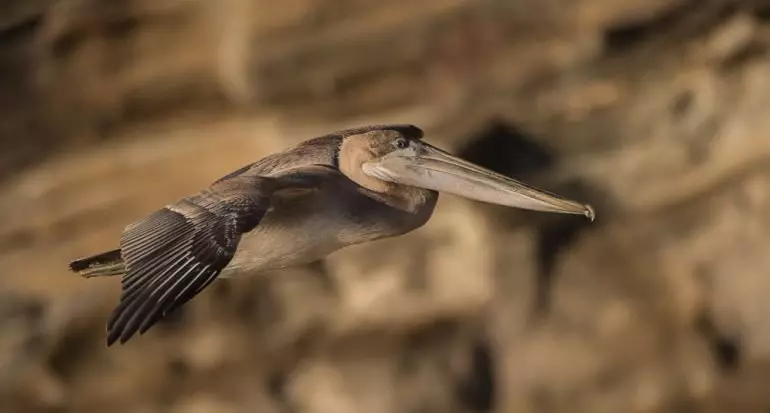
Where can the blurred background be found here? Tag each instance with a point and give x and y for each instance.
(654, 111)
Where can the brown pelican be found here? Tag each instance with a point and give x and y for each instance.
(292, 208)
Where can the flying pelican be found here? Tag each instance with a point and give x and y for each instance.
(291, 208)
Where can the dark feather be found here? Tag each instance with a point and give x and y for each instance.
(104, 258)
(176, 252)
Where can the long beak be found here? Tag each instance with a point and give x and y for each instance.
(432, 168)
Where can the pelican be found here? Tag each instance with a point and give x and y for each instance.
(292, 208)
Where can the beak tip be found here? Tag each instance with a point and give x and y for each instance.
(589, 212)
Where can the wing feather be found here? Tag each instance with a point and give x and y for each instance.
(177, 251)
(171, 250)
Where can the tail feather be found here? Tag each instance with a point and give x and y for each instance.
(106, 264)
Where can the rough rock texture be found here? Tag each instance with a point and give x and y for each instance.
(655, 111)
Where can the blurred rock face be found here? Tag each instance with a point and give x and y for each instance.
(653, 111)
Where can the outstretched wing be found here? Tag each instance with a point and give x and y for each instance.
(177, 251)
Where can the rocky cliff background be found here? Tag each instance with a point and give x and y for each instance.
(654, 111)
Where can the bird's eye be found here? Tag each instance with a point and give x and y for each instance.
(401, 143)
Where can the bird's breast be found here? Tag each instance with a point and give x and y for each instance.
(304, 227)
(285, 239)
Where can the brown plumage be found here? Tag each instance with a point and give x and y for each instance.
(291, 208)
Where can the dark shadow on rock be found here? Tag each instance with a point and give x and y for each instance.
(556, 234)
(477, 390)
(507, 149)
(276, 388)
(511, 151)
(622, 37)
(726, 349)
(761, 10)
(21, 30)
(78, 343)
(458, 356)
(24, 137)
(178, 367)
(738, 59)
(553, 238)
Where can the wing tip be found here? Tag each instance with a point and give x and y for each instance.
(123, 333)
(113, 336)
(120, 335)
(120, 325)
(134, 316)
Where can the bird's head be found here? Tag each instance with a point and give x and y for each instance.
(389, 159)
